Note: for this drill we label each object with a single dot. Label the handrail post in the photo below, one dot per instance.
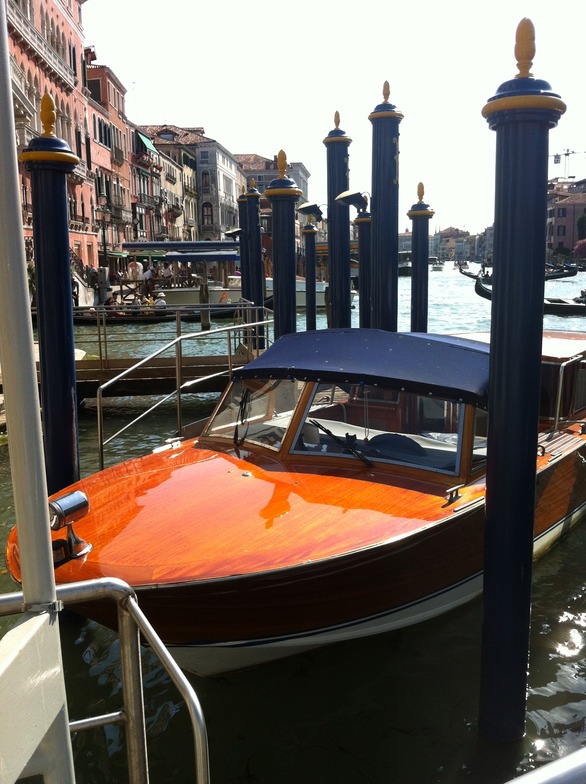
(100, 413)
(178, 372)
(136, 746)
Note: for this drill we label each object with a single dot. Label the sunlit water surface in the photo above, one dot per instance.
(399, 707)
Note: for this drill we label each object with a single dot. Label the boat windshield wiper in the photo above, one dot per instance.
(344, 442)
(242, 417)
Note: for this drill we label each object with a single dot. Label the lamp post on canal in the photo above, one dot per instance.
(104, 216)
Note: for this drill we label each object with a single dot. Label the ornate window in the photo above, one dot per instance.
(207, 214)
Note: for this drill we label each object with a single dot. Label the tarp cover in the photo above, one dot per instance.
(451, 367)
(211, 257)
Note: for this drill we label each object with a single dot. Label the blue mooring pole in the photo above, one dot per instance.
(337, 144)
(254, 254)
(309, 233)
(522, 112)
(283, 194)
(384, 206)
(420, 214)
(364, 223)
(243, 245)
(49, 160)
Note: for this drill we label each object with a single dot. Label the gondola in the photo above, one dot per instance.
(551, 273)
(128, 316)
(552, 306)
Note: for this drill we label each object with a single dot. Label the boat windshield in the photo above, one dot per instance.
(386, 425)
(256, 410)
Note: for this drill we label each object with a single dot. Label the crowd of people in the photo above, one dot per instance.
(138, 303)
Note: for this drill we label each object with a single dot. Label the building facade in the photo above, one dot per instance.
(45, 42)
(212, 179)
(566, 211)
(132, 183)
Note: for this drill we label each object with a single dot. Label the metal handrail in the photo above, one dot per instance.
(131, 624)
(179, 384)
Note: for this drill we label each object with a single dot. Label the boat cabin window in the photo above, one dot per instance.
(563, 390)
(479, 443)
(382, 424)
(255, 410)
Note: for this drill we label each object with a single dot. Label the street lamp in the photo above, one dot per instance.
(105, 216)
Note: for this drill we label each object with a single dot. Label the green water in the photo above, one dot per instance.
(400, 707)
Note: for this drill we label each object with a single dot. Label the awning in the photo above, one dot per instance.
(148, 143)
(211, 257)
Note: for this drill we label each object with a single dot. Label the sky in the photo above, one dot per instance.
(260, 77)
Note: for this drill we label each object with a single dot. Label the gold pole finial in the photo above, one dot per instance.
(309, 220)
(420, 192)
(337, 119)
(386, 91)
(252, 185)
(281, 164)
(48, 115)
(525, 48)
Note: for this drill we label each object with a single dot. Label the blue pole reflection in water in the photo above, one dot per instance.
(396, 707)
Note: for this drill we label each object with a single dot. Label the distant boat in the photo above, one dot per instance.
(232, 293)
(551, 273)
(552, 306)
(126, 316)
(405, 263)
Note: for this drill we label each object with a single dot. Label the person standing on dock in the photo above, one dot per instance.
(166, 275)
(147, 282)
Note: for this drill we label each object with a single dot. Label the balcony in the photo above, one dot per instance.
(142, 159)
(170, 177)
(146, 198)
(121, 214)
(117, 156)
(79, 174)
(39, 50)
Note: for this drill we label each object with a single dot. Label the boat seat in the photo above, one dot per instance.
(309, 437)
(387, 444)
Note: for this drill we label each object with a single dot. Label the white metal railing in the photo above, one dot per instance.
(254, 335)
(131, 624)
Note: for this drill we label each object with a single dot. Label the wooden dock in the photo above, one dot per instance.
(157, 377)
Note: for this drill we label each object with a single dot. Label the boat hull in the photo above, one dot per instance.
(220, 295)
(217, 626)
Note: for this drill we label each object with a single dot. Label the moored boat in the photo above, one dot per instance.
(232, 293)
(337, 491)
(552, 306)
(128, 315)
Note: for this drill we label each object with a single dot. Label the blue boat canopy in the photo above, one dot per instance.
(441, 365)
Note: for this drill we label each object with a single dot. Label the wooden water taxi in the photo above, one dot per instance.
(337, 491)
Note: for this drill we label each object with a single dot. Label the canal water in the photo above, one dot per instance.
(400, 707)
